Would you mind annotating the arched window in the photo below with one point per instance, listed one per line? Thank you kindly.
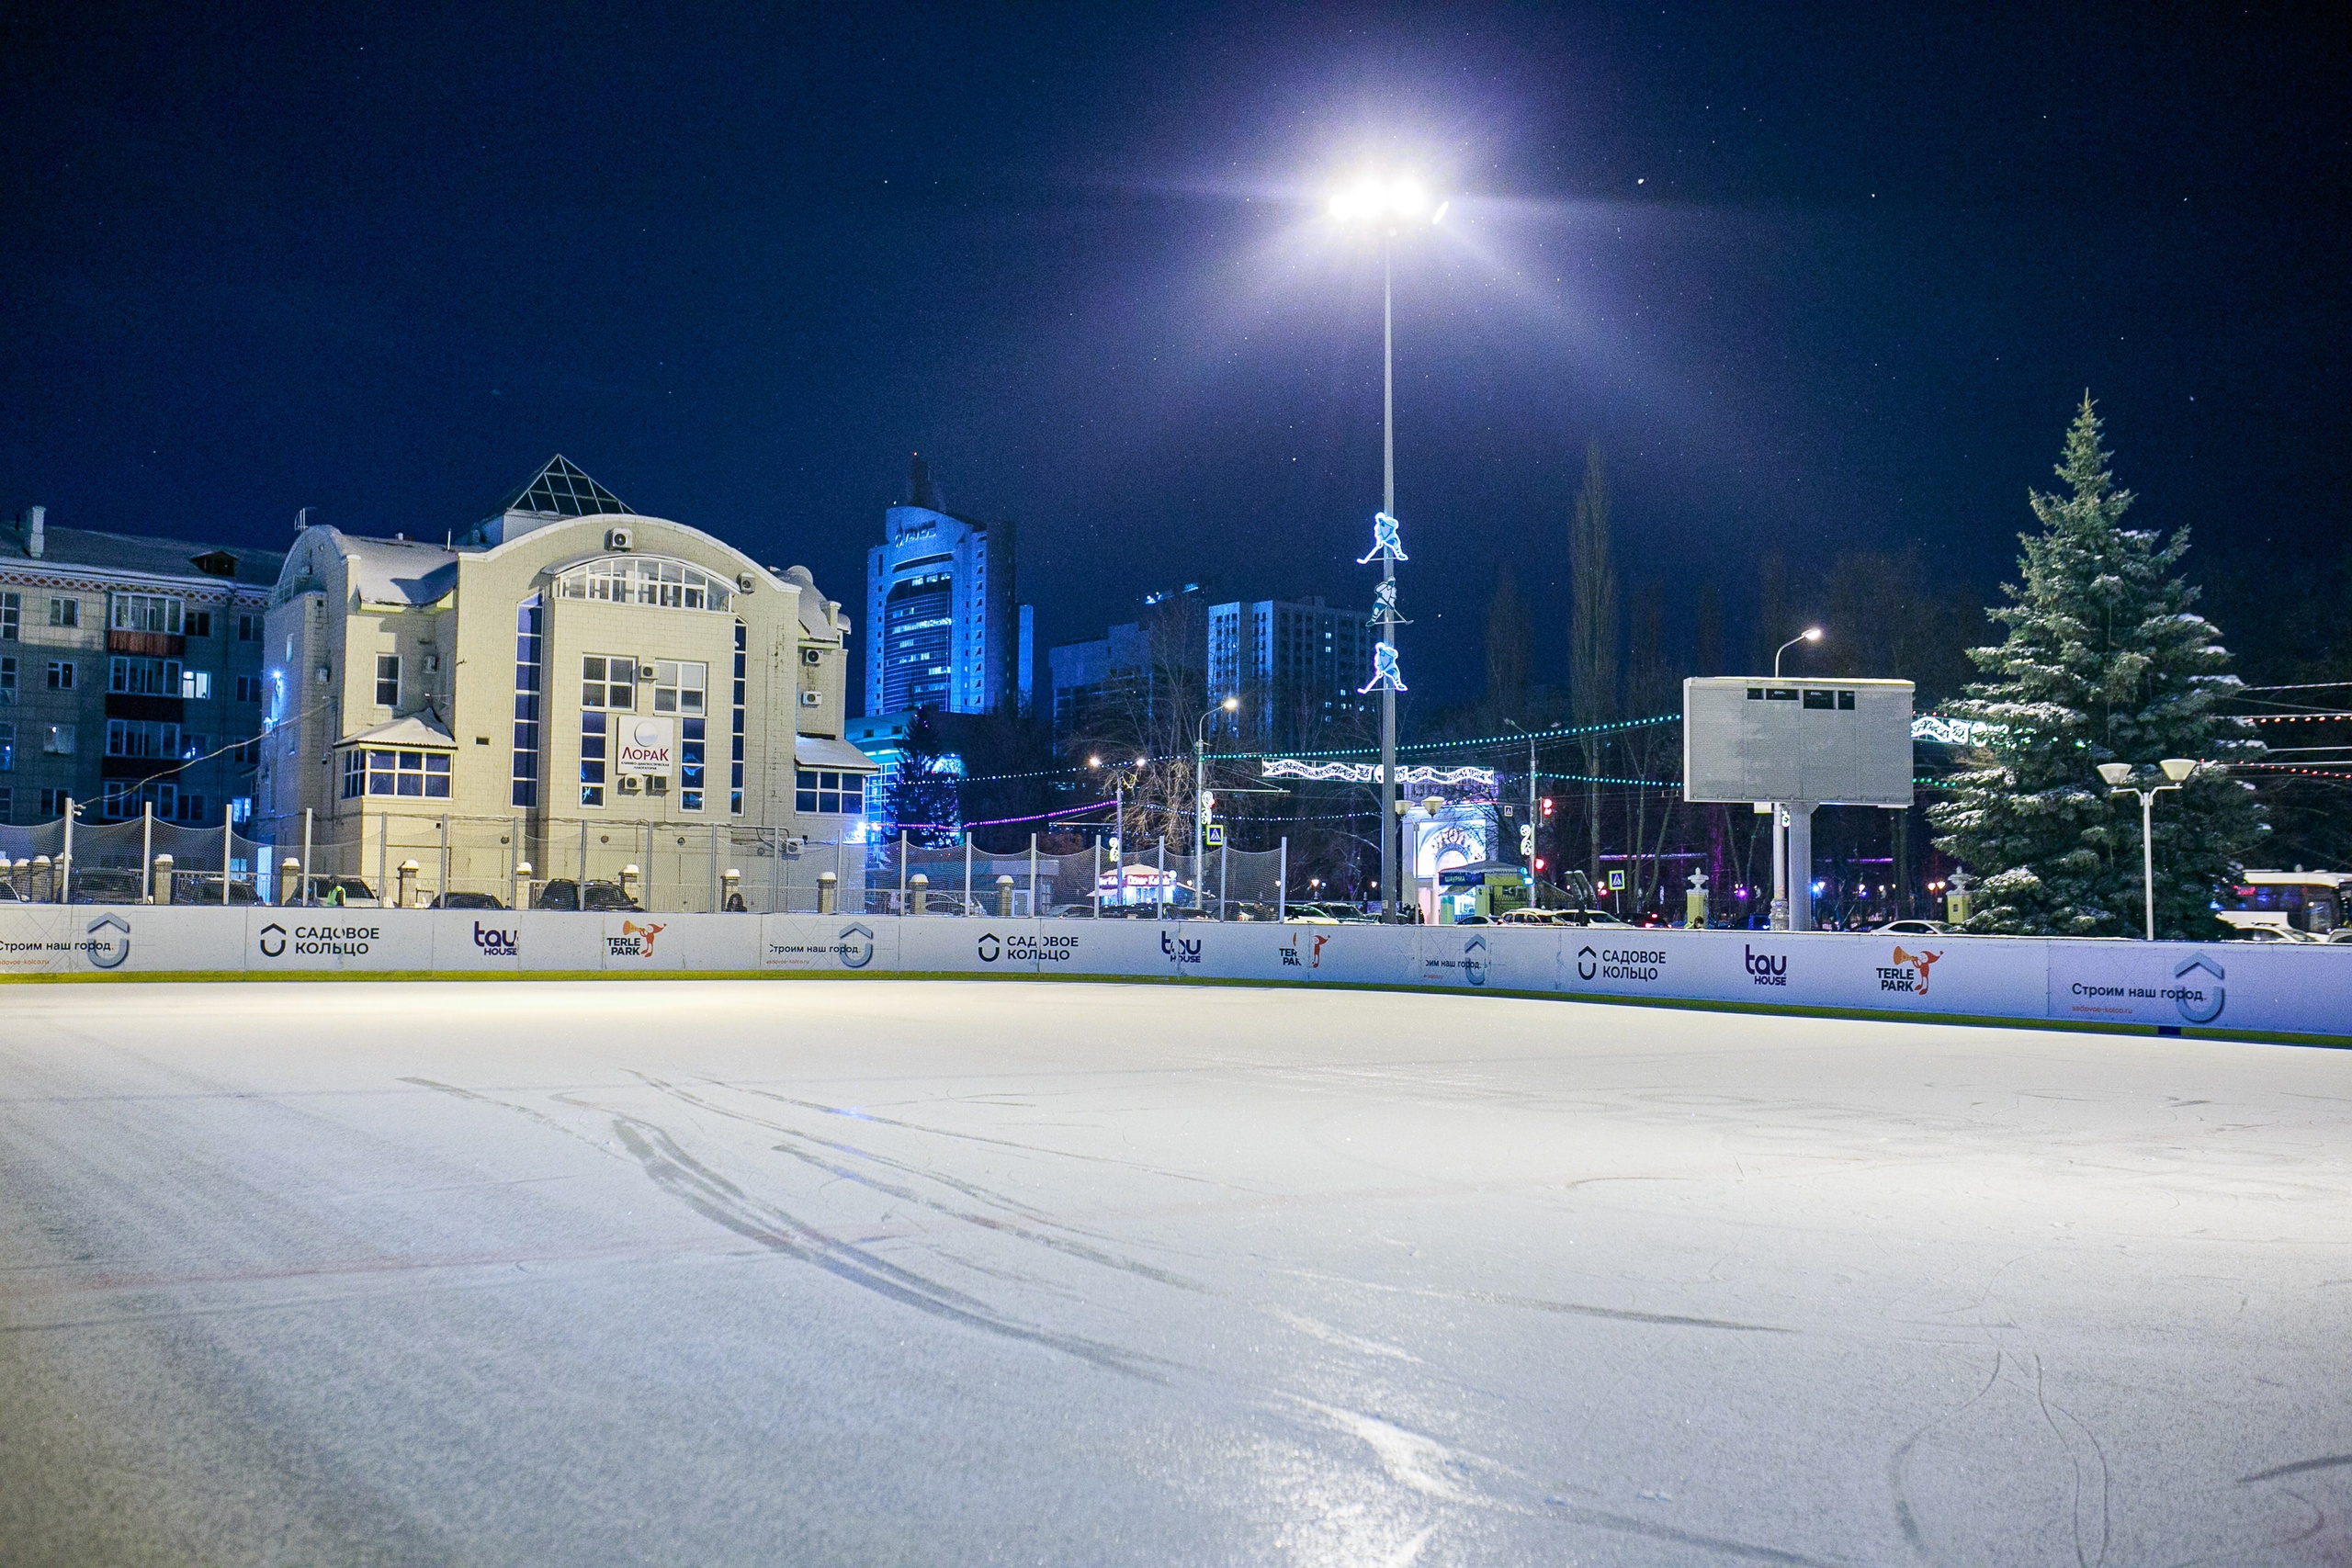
(643, 579)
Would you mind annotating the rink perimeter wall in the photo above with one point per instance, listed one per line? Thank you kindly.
(2233, 987)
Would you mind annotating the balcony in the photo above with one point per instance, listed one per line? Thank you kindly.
(154, 645)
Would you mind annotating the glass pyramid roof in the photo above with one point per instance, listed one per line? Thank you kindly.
(559, 489)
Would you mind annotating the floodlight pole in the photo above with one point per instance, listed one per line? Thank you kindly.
(2148, 845)
(1390, 824)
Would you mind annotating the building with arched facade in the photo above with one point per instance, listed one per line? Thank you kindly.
(570, 685)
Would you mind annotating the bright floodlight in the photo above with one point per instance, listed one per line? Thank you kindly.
(1094, 761)
(1371, 196)
(1812, 633)
(1231, 703)
(2177, 768)
(2115, 773)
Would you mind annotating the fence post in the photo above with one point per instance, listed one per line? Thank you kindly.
(1004, 894)
(921, 894)
(64, 890)
(1033, 877)
(715, 905)
(580, 887)
(288, 871)
(441, 894)
(1223, 870)
(147, 852)
(1098, 876)
(827, 891)
(306, 856)
(971, 896)
(163, 876)
(383, 852)
(1160, 912)
(1282, 881)
(902, 870)
(227, 845)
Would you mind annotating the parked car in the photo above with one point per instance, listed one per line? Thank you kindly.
(466, 901)
(608, 897)
(111, 884)
(201, 890)
(2275, 934)
(1913, 927)
(1329, 912)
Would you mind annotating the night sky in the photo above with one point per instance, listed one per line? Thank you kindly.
(1823, 280)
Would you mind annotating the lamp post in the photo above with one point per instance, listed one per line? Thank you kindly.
(1389, 202)
(1120, 777)
(2119, 781)
(1810, 634)
(1200, 797)
(1530, 809)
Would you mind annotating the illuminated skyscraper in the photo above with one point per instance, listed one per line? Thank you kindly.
(943, 620)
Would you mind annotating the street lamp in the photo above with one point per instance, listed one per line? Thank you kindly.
(1120, 778)
(1530, 834)
(1200, 797)
(1810, 634)
(1390, 202)
(2119, 781)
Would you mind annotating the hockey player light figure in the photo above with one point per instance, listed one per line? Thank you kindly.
(1383, 603)
(1384, 673)
(1384, 543)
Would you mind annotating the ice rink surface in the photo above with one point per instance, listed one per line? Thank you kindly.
(902, 1272)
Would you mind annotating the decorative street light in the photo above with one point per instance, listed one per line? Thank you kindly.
(1810, 634)
(1201, 796)
(2119, 781)
(1391, 202)
(1527, 834)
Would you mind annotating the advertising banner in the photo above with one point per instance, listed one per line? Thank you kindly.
(2297, 989)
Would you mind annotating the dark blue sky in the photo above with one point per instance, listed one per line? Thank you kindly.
(1827, 279)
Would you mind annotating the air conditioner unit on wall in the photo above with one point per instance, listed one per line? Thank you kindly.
(812, 656)
(812, 699)
(618, 539)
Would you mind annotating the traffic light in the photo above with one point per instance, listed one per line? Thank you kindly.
(1547, 805)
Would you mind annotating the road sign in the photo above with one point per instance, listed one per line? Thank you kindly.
(1216, 833)
(1616, 882)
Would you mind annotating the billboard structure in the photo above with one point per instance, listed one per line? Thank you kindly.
(1788, 746)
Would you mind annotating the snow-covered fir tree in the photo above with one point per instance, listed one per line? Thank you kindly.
(2105, 662)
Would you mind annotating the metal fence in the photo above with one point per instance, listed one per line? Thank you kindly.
(968, 879)
(70, 859)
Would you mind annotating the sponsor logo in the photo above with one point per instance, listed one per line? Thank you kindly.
(635, 940)
(107, 953)
(1620, 963)
(646, 748)
(2197, 1002)
(1311, 959)
(854, 947)
(1180, 951)
(1017, 948)
(1767, 968)
(1908, 971)
(497, 943)
(316, 941)
(1474, 959)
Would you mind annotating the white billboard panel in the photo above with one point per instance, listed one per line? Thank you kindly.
(1830, 743)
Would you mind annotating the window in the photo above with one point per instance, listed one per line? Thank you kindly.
(735, 765)
(643, 579)
(200, 623)
(7, 806)
(388, 680)
(143, 677)
(420, 774)
(7, 679)
(249, 688)
(690, 754)
(608, 680)
(151, 738)
(827, 793)
(591, 759)
(678, 687)
(65, 612)
(241, 809)
(60, 674)
(11, 610)
(248, 630)
(52, 802)
(146, 613)
(196, 684)
(248, 753)
(528, 622)
(56, 739)
(7, 745)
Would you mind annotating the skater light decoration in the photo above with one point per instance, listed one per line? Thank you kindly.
(1384, 673)
(1384, 543)
(1384, 604)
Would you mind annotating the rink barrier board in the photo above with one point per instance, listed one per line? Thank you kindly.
(2236, 988)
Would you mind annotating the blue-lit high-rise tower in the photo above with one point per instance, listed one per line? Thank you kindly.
(941, 611)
